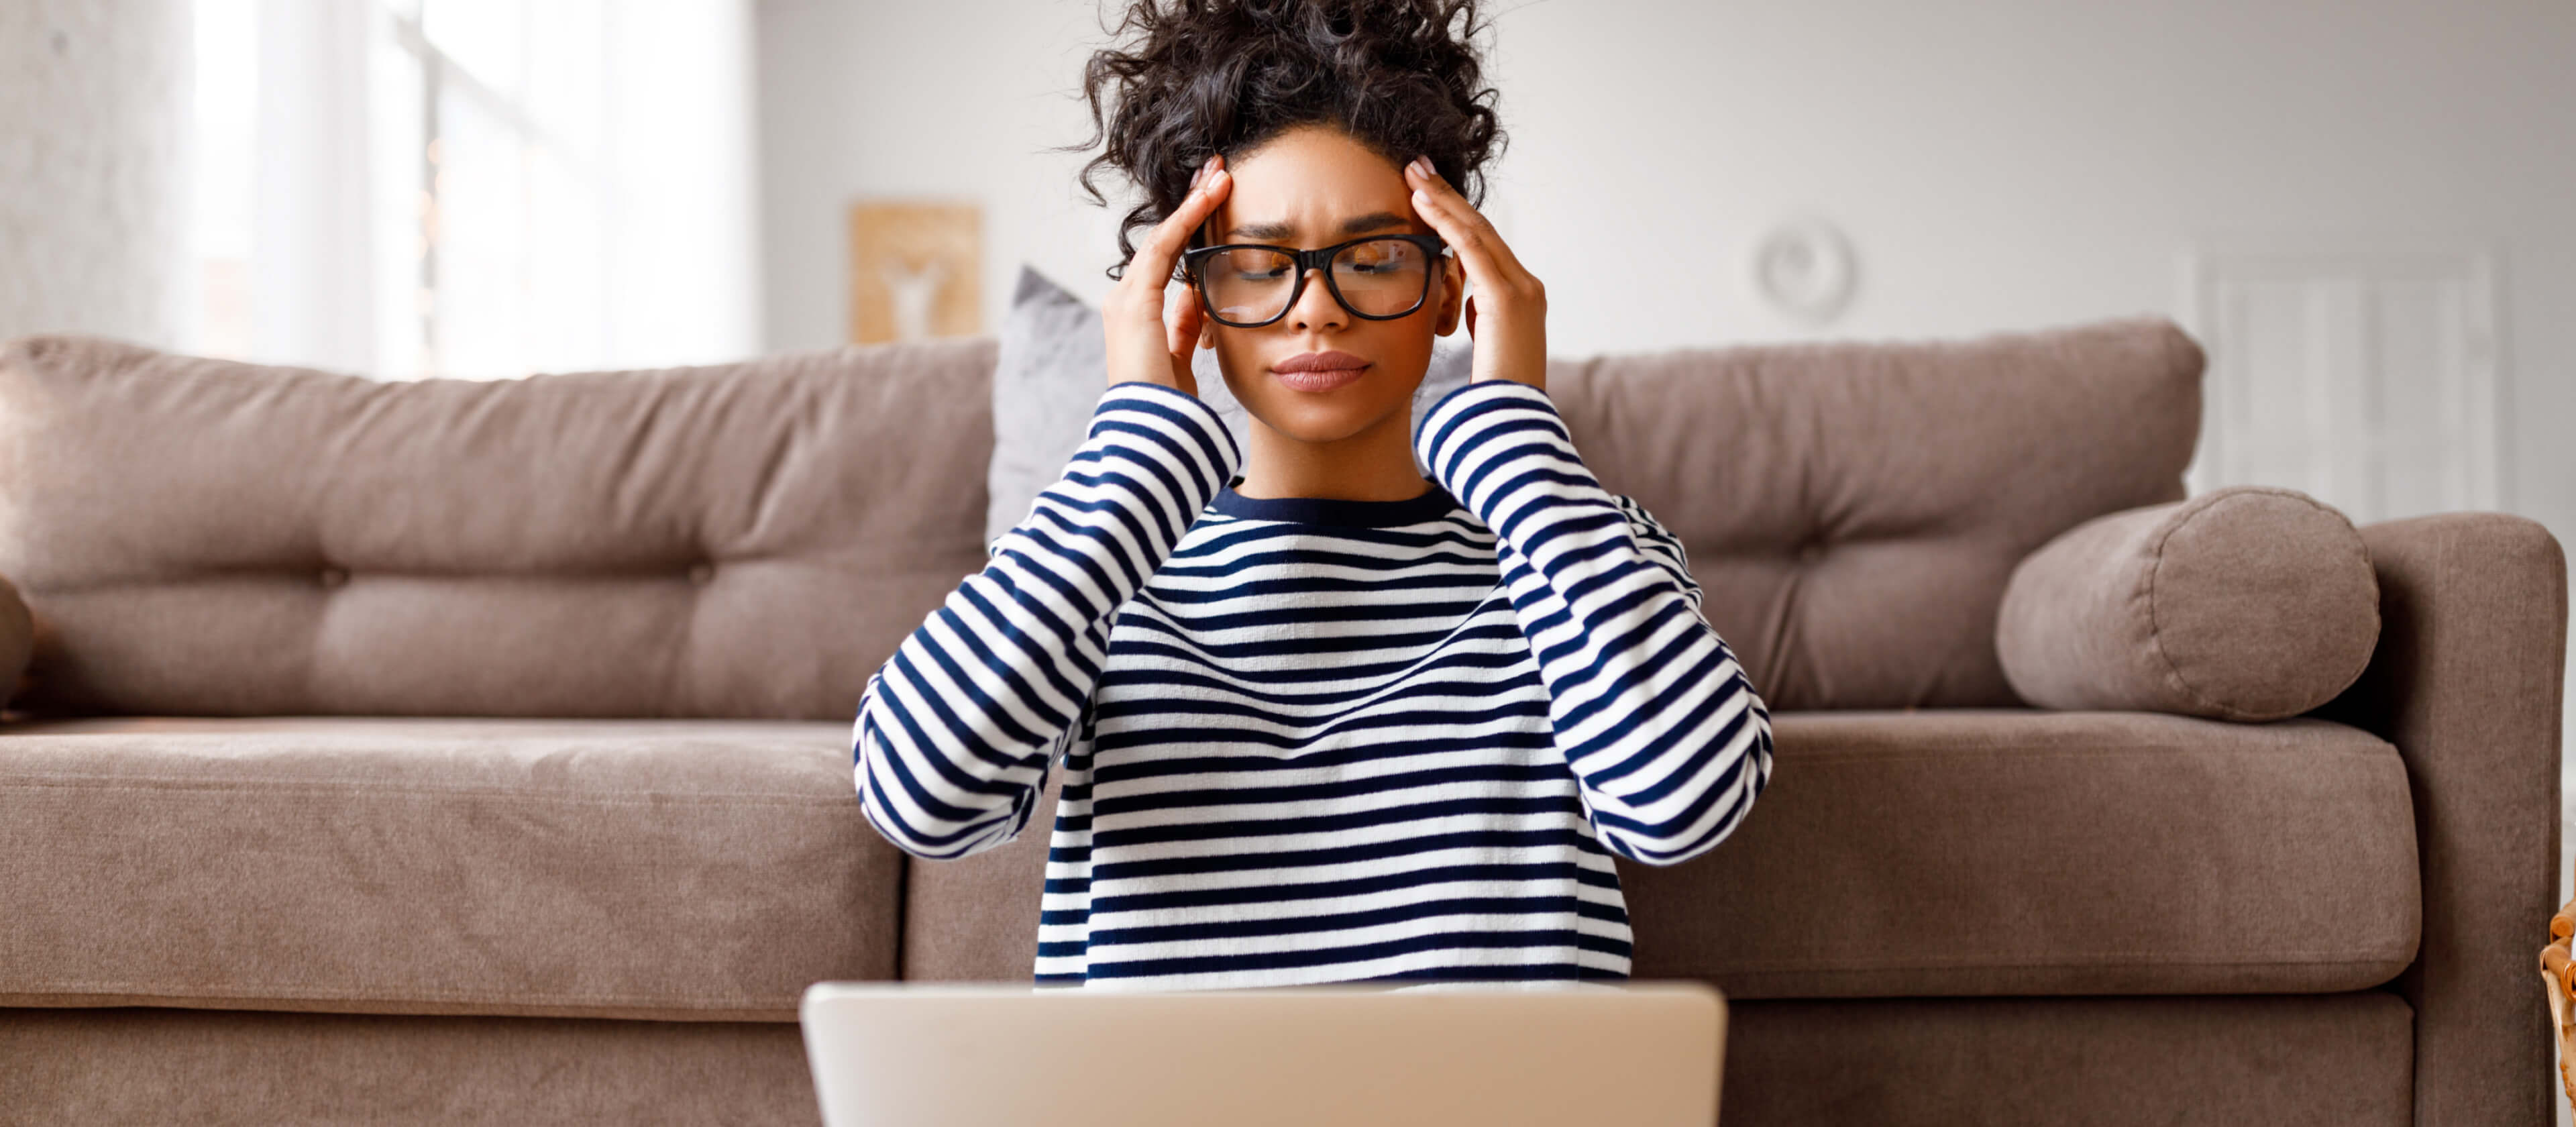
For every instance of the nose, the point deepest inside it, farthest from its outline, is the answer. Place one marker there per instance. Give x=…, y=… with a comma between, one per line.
x=1316, y=308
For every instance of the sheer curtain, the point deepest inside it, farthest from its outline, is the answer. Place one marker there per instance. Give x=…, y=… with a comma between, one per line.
x=476, y=188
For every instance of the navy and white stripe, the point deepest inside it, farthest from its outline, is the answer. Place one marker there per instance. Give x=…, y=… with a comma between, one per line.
x=970, y=713
x=1315, y=741
x=1649, y=705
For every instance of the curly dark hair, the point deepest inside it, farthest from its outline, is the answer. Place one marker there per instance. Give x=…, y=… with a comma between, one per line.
x=1195, y=77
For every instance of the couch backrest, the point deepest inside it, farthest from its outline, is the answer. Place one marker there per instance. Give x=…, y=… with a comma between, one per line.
x=751, y=540
x=1852, y=511
x=747, y=540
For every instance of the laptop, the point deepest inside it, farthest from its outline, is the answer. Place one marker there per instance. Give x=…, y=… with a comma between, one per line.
x=1641, y=1054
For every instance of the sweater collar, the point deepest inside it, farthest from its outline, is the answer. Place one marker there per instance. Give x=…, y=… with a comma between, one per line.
x=1431, y=505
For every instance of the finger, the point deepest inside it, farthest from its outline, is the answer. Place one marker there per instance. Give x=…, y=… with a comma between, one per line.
x=1459, y=223
x=1181, y=323
x=1214, y=184
x=1424, y=178
x=1161, y=250
x=1484, y=271
x=1464, y=228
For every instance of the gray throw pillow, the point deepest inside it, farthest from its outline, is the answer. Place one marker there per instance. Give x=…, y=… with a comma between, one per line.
x=1051, y=371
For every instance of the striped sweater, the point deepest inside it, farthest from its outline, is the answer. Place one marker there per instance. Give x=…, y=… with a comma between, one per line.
x=1309, y=740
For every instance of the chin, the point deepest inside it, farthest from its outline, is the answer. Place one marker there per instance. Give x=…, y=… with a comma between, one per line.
x=1319, y=424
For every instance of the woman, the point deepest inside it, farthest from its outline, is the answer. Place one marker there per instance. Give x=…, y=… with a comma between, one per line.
x=1321, y=719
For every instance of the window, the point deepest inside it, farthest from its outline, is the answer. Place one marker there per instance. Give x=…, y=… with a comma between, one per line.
x=227, y=112
x=419, y=188
x=490, y=119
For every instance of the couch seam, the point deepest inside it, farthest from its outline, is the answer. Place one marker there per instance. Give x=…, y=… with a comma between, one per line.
x=83, y=782
x=2377, y=621
x=424, y=994
x=1952, y=750
x=2089, y=753
x=2155, y=625
x=2307, y=958
x=437, y=994
x=91, y=784
x=902, y=918
x=2155, y=569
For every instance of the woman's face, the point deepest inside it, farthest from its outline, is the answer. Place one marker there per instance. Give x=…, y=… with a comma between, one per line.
x=1313, y=186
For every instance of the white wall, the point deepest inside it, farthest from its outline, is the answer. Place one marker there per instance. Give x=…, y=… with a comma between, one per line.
x=685, y=283
x=2026, y=162
x=957, y=99
x=92, y=162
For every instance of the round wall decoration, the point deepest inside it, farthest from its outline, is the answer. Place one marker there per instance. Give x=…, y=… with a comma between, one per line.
x=1805, y=269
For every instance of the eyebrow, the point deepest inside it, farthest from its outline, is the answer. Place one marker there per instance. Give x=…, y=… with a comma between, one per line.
x=1357, y=225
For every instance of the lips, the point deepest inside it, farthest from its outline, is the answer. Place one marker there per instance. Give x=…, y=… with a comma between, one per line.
x=1319, y=371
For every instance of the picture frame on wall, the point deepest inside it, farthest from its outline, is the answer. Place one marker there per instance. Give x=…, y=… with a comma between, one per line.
x=915, y=269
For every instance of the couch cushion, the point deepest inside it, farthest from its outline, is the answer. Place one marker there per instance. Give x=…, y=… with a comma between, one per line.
x=1967, y=852
x=108, y=1068
x=1853, y=510
x=673, y=869
x=200, y=537
x=2301, y=1060
x=751, y=540
x=1983, y=852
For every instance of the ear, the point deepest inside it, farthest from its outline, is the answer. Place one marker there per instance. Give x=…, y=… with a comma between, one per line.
x=1453, y=290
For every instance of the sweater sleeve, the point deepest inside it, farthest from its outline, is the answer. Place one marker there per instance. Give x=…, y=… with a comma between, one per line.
x=958, y=733
x=1662, y=729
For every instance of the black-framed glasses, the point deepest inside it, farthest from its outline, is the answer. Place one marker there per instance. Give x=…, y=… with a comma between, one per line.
x=1379, y=277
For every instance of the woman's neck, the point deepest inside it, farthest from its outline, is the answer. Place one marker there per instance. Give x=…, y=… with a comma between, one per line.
x=1375, y=464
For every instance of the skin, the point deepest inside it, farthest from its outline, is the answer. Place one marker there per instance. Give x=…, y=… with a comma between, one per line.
x=1308, y=184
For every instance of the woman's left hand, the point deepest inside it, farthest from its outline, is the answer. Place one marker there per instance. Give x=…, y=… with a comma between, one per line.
x=1507, y=312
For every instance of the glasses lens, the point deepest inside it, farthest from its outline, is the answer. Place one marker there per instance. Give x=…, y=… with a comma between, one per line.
x=1382, y=277
x=1248, y=286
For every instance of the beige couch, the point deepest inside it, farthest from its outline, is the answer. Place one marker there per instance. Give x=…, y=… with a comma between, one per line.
x=466, y=751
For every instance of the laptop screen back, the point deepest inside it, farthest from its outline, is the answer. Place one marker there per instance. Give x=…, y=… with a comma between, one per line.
x=925, y=1054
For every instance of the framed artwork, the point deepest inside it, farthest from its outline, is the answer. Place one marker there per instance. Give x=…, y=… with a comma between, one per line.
x=914, y=270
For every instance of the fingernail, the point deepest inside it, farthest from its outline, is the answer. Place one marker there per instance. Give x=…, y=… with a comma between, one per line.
x=1422, y=165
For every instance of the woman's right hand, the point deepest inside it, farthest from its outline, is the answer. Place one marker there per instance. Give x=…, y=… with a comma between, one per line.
x=1147, y=341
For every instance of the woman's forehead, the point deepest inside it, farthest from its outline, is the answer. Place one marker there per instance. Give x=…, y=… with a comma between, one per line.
x=1313, y=189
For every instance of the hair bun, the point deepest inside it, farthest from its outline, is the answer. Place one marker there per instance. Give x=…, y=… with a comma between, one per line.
x=1193, y=77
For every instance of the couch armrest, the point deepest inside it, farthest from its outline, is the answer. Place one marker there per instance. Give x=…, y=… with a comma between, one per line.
x=2466, y=681
x=17, y=639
